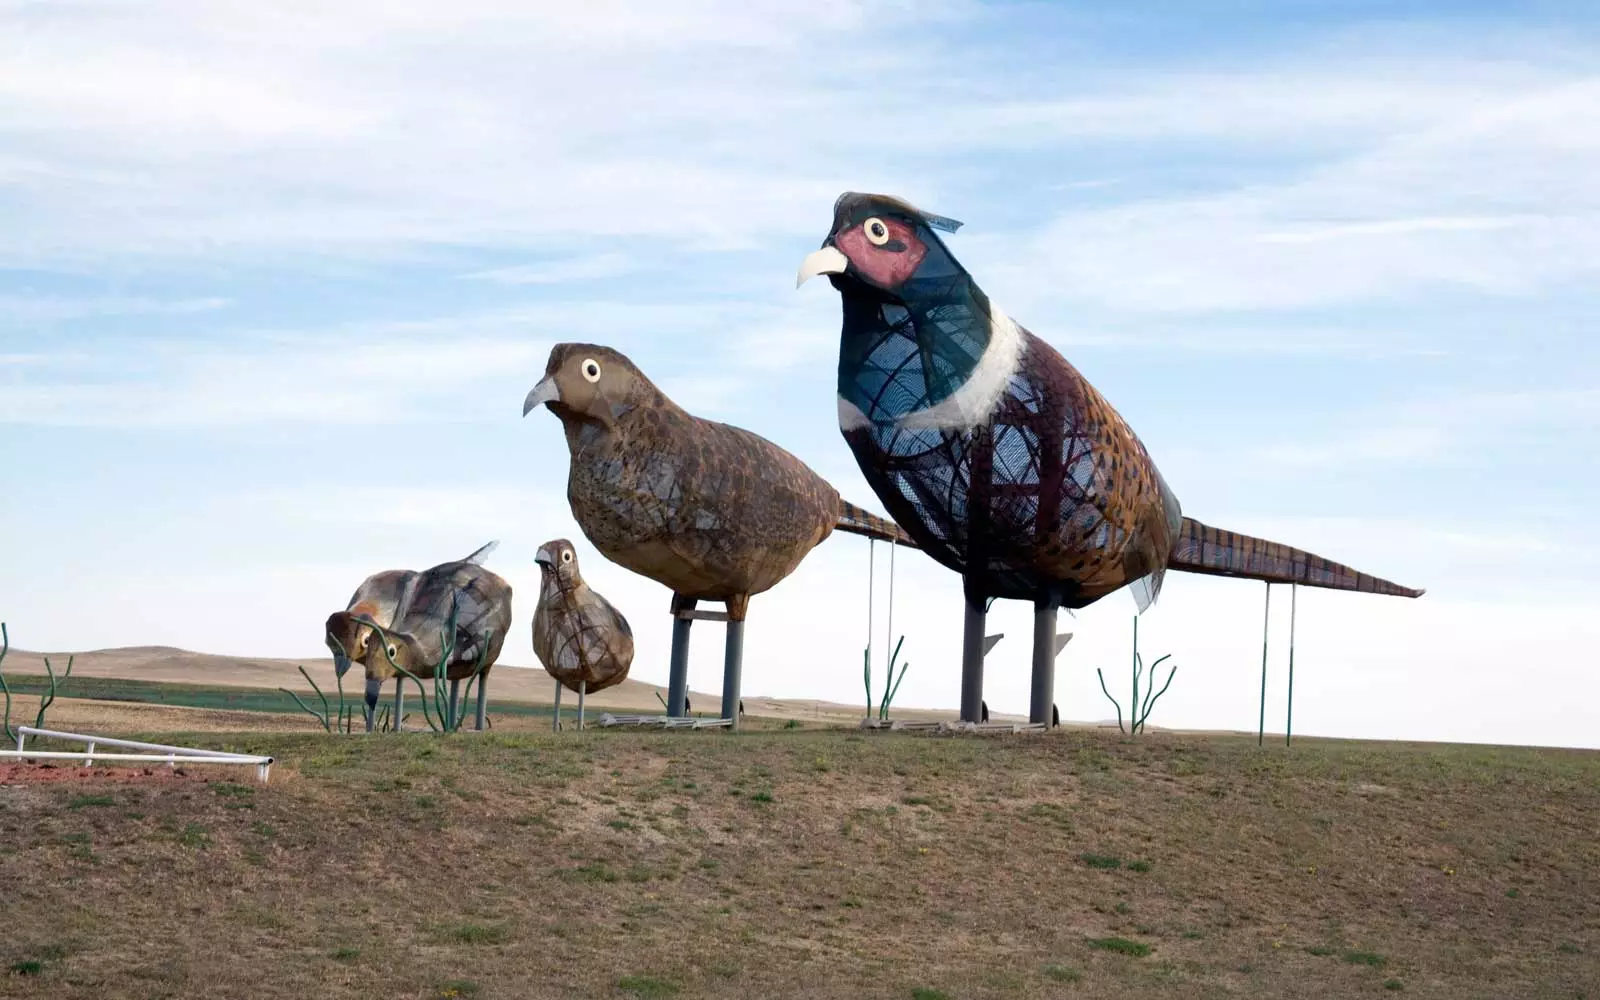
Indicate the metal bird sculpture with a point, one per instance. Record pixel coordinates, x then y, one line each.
583 641
712 511
1001 460
457 607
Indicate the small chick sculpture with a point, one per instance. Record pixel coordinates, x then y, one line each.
475 599
710 510
582 640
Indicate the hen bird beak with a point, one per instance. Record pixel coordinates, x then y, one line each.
828 260
544 558
546 391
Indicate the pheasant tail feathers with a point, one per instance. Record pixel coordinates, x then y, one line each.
1201 548
861 522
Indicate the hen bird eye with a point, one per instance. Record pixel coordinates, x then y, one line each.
361 643
392 651
877 232
591 369
566 555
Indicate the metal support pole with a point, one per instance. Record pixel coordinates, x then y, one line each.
972 663
555 717
678 681
732 663
483 701
399 703
1288 721
888 630
1044 664
455 709
583 688
1266 619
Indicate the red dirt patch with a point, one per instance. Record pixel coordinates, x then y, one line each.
22 773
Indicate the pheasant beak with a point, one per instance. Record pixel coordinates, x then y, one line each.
828 260
546 391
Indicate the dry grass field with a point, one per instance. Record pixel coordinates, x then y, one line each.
808 863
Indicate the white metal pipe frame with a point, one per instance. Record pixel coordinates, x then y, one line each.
169 755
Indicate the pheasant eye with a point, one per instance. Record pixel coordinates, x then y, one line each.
591 369
877 232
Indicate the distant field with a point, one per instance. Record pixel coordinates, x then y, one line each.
811 863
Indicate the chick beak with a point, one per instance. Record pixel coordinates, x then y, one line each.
828 260
545 392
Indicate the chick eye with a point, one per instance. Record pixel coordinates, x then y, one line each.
877 232
591 369
566 555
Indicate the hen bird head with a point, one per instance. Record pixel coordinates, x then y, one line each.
589 383
348 638
882 244
558 562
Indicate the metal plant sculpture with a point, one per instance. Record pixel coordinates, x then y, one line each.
5 647
1139 713
333 721
46 699
891 683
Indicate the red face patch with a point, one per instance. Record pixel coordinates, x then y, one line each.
886 266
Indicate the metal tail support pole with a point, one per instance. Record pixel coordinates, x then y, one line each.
1288 721
583 688
1266 620
1042 696
555 716
972 663
732 662
678 682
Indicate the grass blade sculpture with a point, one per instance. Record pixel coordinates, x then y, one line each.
46 699
332 721
1139 713
5 647
891 683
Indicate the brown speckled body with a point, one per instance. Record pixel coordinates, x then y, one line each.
417 635
712 511
579 637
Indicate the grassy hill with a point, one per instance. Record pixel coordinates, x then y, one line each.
815 863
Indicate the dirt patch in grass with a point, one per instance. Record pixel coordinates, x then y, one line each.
23 773
732 865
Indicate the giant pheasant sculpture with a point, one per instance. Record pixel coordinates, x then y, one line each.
996 455
714 512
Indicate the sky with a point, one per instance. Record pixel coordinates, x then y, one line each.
276 276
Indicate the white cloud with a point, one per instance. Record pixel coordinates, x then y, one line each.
1450 429
1498 195
560 272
